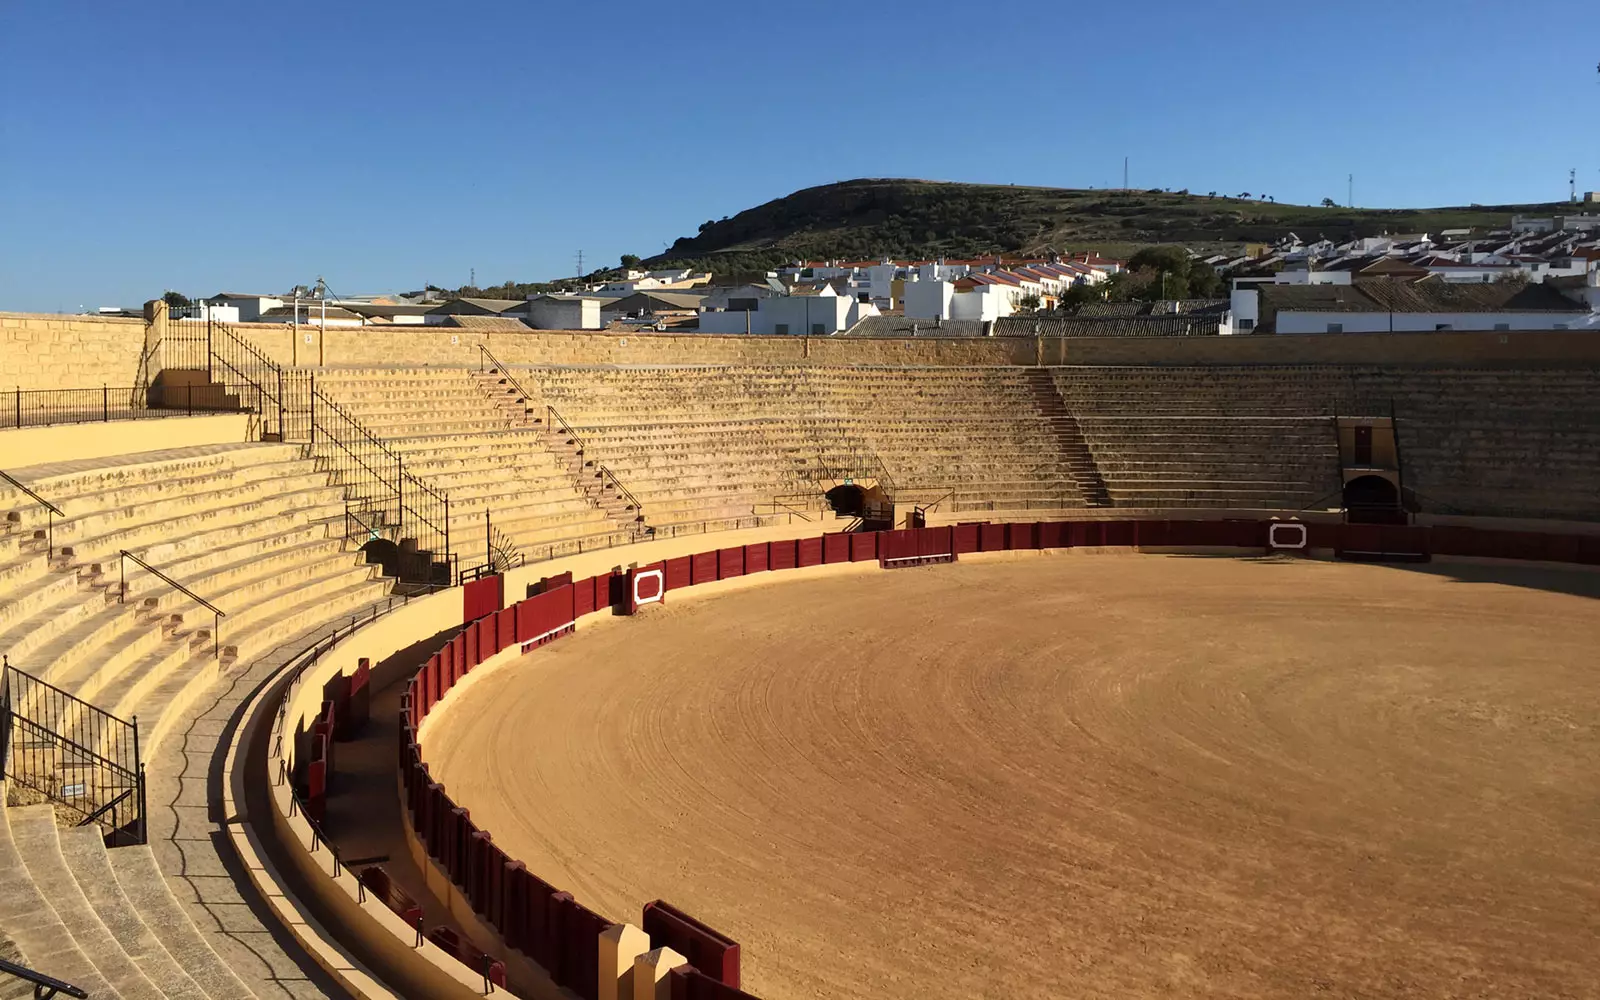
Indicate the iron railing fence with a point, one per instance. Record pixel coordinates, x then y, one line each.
44 987
104 403
78 756
217 614
382 496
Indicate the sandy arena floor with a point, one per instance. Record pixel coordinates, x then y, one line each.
1083 776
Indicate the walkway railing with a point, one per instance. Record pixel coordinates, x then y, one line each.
217 614
93 404
79 756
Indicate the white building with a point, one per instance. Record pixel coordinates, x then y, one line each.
561 312
249 306
1389 305
815 315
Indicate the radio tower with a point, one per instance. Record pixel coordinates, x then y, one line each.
580 263
1572 185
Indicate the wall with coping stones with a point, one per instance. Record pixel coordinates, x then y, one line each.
55 352
69 352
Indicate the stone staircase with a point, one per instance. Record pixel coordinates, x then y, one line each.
473 437
102 920
1080 460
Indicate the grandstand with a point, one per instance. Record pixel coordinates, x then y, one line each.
163 583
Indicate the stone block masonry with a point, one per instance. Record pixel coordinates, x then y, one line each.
69 352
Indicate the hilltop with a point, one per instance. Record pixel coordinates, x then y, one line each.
911 218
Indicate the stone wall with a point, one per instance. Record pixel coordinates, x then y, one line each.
69 352
54 352
1458 349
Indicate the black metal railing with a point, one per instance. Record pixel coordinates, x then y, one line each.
44 987
51 512
237 369
554 421
217 614
79 756
607 477
374 478
99 404
487 362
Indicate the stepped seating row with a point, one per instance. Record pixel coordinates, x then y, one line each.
105 921
670 431
461 433
245 527
1493 442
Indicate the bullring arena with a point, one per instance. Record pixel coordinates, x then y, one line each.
437 662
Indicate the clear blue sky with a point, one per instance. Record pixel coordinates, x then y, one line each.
205 146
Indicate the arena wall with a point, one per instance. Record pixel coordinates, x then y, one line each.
54 352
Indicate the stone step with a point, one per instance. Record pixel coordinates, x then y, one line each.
85 853
38 842
141 881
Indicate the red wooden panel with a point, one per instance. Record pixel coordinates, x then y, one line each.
864 545
480 597
1120 533
808 552
784 554
583 597
730 562
1321 535
966 537
581 929
933 541
458 652
755 558
899 544
835 547
1022 535
1360 538
707 949
703 567
688 983
991 537
488 636
1052 535
430 684
679 572
506 628
469 659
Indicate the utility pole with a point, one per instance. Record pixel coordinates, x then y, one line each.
1572 185
1124 173
1350 193
472 277
580 263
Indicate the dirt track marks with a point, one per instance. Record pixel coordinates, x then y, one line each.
1083 776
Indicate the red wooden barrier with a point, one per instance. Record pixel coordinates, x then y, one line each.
755 557
864 545
784 554
581 929
480 597
1022 535
583 602
703 567
469 658
965 537
707 949
808 552
991 537
679 572
835 547
730 563
688 983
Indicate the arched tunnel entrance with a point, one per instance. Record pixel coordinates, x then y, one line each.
1372 500
848 500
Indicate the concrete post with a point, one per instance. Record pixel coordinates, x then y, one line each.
620 946
650 974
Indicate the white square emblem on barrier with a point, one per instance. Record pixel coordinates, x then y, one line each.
1286 536
648 586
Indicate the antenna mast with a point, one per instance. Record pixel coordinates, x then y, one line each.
580 263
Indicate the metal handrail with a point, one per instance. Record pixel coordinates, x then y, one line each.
623 491
484 352
560 421
122 592
885 470
44 987
51 512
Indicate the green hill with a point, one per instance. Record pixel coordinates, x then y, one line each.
910 218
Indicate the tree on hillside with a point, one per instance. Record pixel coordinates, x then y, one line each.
1245 196
1329 203
630 260
176 300
1028 305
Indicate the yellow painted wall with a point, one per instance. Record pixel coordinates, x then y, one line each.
67 442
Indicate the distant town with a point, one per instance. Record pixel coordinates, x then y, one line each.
1538 274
